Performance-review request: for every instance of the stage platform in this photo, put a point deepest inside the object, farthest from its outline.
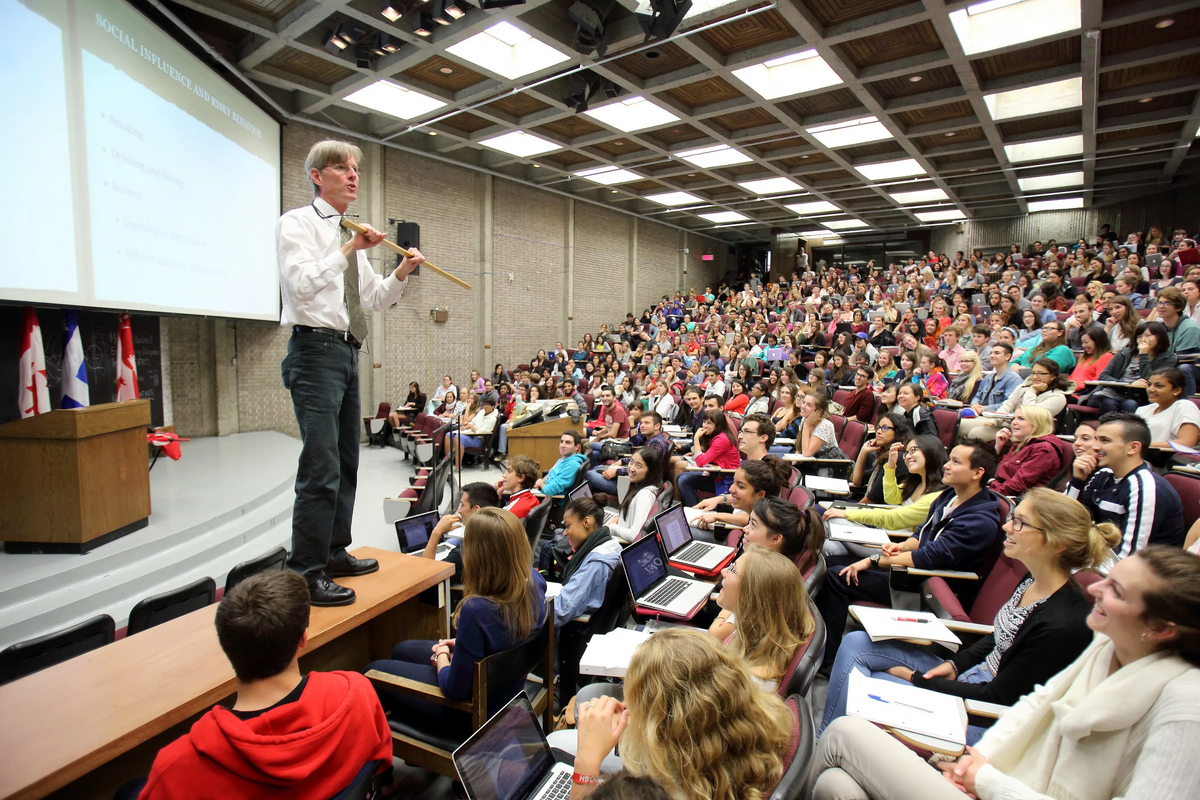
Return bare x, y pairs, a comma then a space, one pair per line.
227, 500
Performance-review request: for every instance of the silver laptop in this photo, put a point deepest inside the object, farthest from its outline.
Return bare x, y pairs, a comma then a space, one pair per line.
584, 490
509, 759
672, 526
414, 532
646, 570
1154, 261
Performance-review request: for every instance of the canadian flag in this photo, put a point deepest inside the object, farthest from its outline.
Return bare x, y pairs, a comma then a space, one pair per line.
35, 395
127, 385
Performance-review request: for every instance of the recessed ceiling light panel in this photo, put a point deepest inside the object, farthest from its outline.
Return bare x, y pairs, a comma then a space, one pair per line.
1058, 204
779, 77
886, 170
725, 216
771, 186
923, 196
994, 24
941, 216
717, 155
845, 224
507, 50
808, 209
632, 114
673, 198
1038, 99
855, 131
520, 144
394, 100
1042, 182
1044, 148
608, 176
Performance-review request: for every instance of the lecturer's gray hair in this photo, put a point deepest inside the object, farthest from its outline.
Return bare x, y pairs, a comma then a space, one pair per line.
329, 151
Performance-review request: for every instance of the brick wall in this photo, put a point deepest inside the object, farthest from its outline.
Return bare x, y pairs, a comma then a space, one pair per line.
529, 234
465, 217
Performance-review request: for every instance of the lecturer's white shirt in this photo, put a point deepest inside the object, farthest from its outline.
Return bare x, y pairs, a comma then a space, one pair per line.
311, 266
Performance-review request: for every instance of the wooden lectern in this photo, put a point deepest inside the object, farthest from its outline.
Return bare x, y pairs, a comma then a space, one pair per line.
539, 441
74, 478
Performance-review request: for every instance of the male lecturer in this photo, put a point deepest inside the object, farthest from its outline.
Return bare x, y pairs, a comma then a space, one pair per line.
326, 282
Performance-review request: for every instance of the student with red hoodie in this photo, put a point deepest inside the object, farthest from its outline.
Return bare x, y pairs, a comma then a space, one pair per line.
286, 736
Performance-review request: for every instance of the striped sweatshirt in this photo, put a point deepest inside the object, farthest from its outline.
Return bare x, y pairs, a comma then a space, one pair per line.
1142, 504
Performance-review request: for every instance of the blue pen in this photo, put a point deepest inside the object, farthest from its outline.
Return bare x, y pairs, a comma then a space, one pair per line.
897, 702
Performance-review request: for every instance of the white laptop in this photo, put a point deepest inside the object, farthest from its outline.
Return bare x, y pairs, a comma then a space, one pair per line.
651, 586
584, 490
509, 759
413, 533
681, 548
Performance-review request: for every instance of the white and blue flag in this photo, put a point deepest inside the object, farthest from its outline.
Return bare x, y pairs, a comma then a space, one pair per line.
74, 374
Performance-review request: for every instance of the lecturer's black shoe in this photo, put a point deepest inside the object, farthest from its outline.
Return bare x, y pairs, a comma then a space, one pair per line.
348, 566
324, 592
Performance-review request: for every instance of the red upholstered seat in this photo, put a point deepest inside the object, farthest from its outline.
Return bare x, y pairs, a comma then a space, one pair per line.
1188, 489
947, 425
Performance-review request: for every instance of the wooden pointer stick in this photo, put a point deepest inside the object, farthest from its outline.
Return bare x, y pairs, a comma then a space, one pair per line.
354, 226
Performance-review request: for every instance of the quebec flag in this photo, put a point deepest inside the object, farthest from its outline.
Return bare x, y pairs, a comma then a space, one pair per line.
74, 375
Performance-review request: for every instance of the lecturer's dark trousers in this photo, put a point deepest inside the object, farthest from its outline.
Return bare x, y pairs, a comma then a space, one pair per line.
321, 370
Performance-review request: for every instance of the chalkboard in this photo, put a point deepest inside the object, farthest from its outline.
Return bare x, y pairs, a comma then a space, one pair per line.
98, 330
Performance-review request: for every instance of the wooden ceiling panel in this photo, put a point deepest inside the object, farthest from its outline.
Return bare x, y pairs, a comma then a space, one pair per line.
950, 138
272, 9
828, 175
1058, 53
646, 186
705, 92
306, 65
831, 12
690, 177
824, 103
666, 57
738, 170
874, 150
931, 80
571, 127
931, 114
805, 160
782, 141
1165, 129
744, 33
445, 74
1138, 35
1160, 103
676, 134
567, 158
618, 147
518, 105
1045, 122
1145, 74
893, 45
747, 118
466, 122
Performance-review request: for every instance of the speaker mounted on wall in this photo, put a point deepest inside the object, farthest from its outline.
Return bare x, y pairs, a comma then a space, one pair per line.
408, 236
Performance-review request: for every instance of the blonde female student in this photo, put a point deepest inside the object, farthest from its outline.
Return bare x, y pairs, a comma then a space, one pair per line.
1121, 721
764, 613
692, 718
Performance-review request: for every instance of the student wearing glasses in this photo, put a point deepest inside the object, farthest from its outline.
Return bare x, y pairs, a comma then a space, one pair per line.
869, 466
1052, 346
1045, 387
1038, 632
1149, 352
923, 460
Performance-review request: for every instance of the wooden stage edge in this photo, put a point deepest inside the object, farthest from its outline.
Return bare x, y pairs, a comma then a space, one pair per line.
82, 728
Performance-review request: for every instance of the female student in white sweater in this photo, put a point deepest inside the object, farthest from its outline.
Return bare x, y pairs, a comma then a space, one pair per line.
645, 482
1121, 721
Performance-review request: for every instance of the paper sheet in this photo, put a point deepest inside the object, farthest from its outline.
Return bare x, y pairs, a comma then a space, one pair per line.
883, 623
609, 654
907, 708
844, 531
831, 485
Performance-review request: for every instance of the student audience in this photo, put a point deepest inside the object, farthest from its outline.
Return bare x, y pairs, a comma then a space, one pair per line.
594, 554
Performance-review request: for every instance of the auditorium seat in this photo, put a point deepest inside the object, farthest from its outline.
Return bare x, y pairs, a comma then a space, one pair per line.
26, 658
160, 608
806, 660
1188, 489
363, 785
947, 425
275, 559
800, 748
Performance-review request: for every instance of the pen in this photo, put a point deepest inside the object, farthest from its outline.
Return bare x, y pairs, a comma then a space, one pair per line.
897, 702
909, 619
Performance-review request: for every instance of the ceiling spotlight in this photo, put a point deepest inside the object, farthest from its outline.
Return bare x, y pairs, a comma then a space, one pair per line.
446, 70
440, 15
590, 17
1164, 23
388, 43
420, 22
433, 133
334, 42
1145, 100
457, 9
916, 78
581, 88
614, 191
664, 18
390, 10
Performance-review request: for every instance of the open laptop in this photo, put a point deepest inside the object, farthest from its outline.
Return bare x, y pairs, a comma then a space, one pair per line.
651, 586
682, 549
414, 532
584, 490
509, 759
